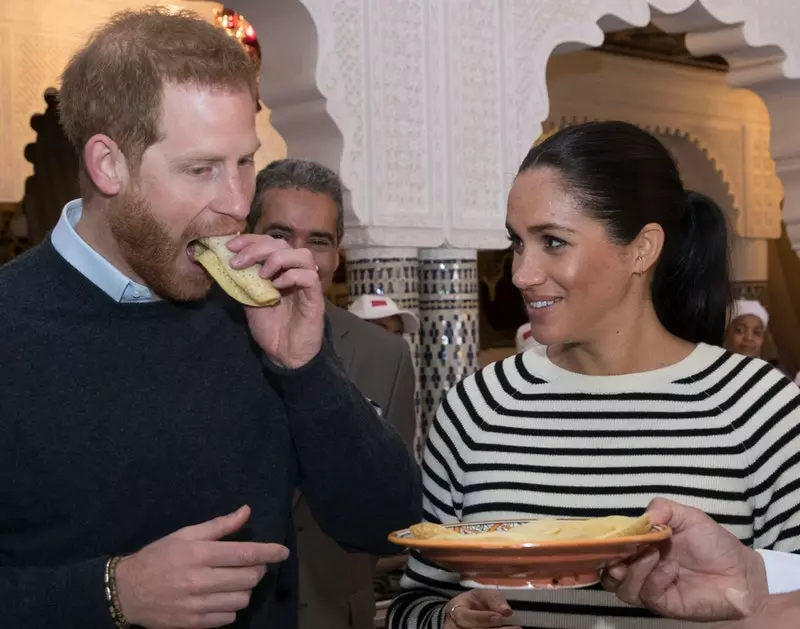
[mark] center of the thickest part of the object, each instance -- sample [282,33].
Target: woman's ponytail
[691,284]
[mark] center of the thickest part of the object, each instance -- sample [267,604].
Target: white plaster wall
[427,106]
[37,38]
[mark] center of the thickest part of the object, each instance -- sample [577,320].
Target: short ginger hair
[115,84]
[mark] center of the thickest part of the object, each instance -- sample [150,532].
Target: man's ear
[105,164]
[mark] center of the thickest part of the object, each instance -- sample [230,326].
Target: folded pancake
[244,285]
[544,530]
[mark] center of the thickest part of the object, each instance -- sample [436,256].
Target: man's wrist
[123,587]
[112,593]
[294,364]
[757,583]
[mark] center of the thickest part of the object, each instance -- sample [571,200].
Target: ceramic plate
[525,565]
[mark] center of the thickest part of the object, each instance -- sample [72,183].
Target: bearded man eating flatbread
[154,428]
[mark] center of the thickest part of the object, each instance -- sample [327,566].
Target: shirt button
[136,295]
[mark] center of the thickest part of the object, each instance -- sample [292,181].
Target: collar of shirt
[91,264]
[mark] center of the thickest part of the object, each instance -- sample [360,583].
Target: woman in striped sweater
[625,278]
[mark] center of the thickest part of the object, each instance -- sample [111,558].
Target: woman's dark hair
[625,178]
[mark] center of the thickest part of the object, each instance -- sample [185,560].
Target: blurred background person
[524,338]
[747,328]
[385,313]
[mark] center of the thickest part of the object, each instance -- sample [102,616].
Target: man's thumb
[216,529]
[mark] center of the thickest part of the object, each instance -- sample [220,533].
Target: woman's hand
[478,609]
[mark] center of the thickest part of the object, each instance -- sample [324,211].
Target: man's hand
[780,612]
[190,579]
[702,573]
[290,332]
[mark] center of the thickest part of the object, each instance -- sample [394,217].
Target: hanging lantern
[241,30]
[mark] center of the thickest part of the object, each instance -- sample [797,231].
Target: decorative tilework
[441,285]
[384,271]
[448,299]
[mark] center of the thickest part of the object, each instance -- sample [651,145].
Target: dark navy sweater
[121,423]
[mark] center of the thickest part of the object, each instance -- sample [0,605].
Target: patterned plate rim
[404,537]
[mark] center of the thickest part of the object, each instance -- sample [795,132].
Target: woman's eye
[551,242]
[515,243]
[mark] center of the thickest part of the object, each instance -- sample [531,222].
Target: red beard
[154,256]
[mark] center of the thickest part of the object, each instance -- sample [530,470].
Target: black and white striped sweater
[525,438]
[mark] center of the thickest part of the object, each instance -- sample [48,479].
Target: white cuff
[783,571]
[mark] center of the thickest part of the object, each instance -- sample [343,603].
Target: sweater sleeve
[429,587]
[359,477]
[775,464]
[69,596]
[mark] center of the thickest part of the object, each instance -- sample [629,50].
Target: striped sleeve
[429,587]
[773,445]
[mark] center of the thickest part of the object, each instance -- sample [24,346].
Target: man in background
[301,202]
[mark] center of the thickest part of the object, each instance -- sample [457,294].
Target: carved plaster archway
[427,106]
[664,131]
[700,171]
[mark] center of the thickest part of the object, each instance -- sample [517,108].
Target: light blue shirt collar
[91,264]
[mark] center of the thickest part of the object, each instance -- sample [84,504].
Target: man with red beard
[140,406]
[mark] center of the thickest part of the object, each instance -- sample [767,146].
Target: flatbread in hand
[244,285]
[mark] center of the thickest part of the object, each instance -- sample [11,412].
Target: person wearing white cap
[383,311]
[524,338]
[747,328]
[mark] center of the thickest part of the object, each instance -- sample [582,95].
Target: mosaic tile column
[448,303]
[393,272]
